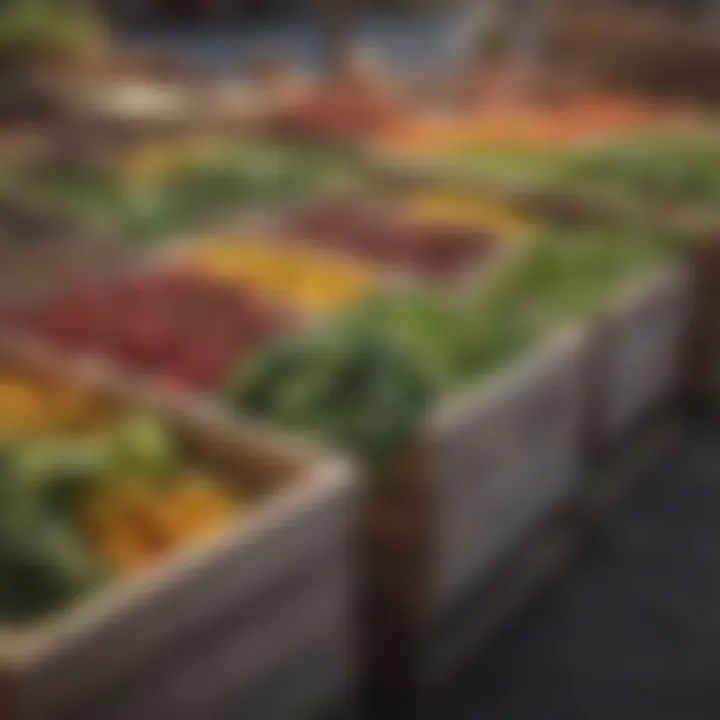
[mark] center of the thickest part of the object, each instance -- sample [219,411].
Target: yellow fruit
[310,280]
[469,212]
[126,550]
[125,504]
[73,410]
[31,408]
[134,523]
[26,411]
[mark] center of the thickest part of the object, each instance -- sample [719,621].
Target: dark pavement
[633,632]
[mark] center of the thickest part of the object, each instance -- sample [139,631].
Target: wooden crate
[548,551]
[638,367]
[630,375]
[494,465]
[459,560]
[640,343]
[258,619]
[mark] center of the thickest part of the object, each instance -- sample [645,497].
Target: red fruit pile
[338,114]
[185,328]
[432,251]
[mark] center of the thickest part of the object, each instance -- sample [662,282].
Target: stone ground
[633,631]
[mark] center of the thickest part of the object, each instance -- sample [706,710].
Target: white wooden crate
[641,352]
[505,457]
[271,662]
[494,465]
[269,599]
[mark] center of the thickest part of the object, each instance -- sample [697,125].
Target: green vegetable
[44,562]
[47,29]
[453,341]
[59,471]
[356,391]
[364,382]
[679,166]
[674,167]
[142,447]
[570,274]
[240,175]
[44,566]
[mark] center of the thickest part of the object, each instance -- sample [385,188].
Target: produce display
[679,166]
[364,383]
[338,324]
[89,493]
[570,275]
[177,325]
[440,250]
[175,187]
[380,351]
[313,282]
[583,120]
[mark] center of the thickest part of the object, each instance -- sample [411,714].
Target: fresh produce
[157,162]
[47,31]
[453,340]
[681,166]
[470,211]
[311,281]
[582,120]
[183,327]
[79,508]
[676,166]
[359,101]
[364,382]
[134,523]
[173,188]
[358,392]
[568,275]
[338,115]
[438,250]
[30,409]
